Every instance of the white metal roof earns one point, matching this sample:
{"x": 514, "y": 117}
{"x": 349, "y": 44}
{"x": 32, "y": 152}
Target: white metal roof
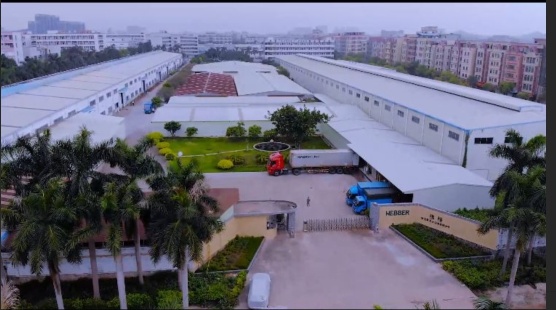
{"x": 103, "y": 127}
{"x": 233, "y": 67}
{"x": 232, "y": 113}
{"x": 27, "y": 105}
{"x": 232, "y": 100}
{"x": 252, "y": 83}
{"x": 459, "y": 106}
{"x": 409, "y": 165}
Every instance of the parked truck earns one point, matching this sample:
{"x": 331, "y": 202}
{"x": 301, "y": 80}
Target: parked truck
{"x": 362, "y": 195}
{"x": 149, "y": 107}
{"x": 313, "y": 161}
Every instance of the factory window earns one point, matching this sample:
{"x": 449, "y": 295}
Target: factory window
{"x": 453, "y": 135}
{"x": 100, "y": 98}
{"x": 358, "y": 95}
{"x": 387, "y": 107}
{"x": 433, "y": 127}
{"x": 337, "y": 86}
{"x": 508, "y": 139}
{"x": 483, "y": 140}
{"x": 415, "y": 119}
{"x": 350, "y": 92}
{"x": 108, "y": 95}
{"x": 344, "y": 89}
{"x": 92, "y": 103}
{"x": 72, "y": 113}
{"x": 59, "y": 119}
{"x": 115, "y": 91}
{"x": 401, "y": 113}
{"x": 377, "y": 103}
{"x": 326, "y": 82}
{"x": 130, "y": 82}
{"x": 367, "y": 99}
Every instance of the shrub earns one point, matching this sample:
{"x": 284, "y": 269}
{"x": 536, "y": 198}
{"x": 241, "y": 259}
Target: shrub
{"x": 167, "y": 85}
{"x": 139, "y": 301}
{"x": 155, "y": 136}
{"x": 157, "y": 101}
{"x": 240, "y": 280}
{"x": 254, "y": 131}
{"x": 236, "y": 131}
{"x": 164, "y": 151}
{"x": 236, "y": 255}
{"x": 236, "y": 159}
{"x": 225, "y": 164}
{"x": 162, "y": 145}
{"x": 172, "y": 127}
{"x": 24, "y": 304}
{"x": 261, "y": 158}
{"x": 270, "y": 134}
{"x": 477, "y": 214}
{"x": 170, "y": 156}
{"x": 168, "y": 299}
{"x": 49, "y": 303}
{"x": 191, "y": 131}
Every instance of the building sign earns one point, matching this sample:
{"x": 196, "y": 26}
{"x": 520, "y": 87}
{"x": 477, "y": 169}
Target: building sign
{"x": 435, "y": 220}
{"x": 397, "y": 212}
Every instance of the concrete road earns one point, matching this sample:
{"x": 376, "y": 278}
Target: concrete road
{"x": 326, "y": 191}
{"x": 354, "y": 270}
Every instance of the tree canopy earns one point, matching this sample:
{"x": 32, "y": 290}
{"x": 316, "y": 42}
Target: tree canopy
{"x": 221, "y": 54}
{"x": 297, "y": 124}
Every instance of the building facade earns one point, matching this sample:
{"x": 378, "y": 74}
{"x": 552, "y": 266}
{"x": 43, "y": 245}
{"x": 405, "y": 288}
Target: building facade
{"x": 124, "y": 40}
{"x": 216, "y": 38}
{"x": 278, "y": 47}
{"x": 12, "y": 46}
{"x": 44, "y": 23}
{"x": 351, "y": 43}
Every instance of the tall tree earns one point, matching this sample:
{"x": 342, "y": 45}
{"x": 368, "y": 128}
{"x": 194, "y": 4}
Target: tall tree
{"x": 182, "y": 219}
{"x": 296, "y": 125}
{"x": 44, "y": 223}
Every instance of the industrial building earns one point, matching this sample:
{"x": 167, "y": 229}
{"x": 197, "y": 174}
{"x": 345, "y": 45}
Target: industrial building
{"x": 459, "y": 123}
{"x": 213, "y": 115}
{"x": 30, "y": 107}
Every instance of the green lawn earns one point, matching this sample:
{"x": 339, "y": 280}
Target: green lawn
{"x": 217, "y": 147}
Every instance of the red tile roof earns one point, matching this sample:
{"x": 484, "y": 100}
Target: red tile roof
{"x": 208, "y": 83}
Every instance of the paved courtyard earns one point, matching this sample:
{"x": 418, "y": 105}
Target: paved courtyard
{"x": 354, "y": 270}
{"x": 327, "y": 191}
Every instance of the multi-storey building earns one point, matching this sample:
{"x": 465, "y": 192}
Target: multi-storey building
{"x": 541, "y": 88}
{"x": 351, "y": 43}
{"x": 12, "y": 46}
{"x": 56, "y": 42}
{"x": 216, "y": 38}
{"x": 124, "y": 40}
{"x": 278, "y": 47}
{"x": 188, "y": 43}
{"x": 44, "y": 23}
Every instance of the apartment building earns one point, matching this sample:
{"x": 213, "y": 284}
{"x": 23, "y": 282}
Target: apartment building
{"x": 56, "y": 42}
{"x": 216, "y": 38}
{"x": 124, "y": 40}
{"x": 12, "y": 46}
{"x": 541, "y": 88}
{"x": 189, "y": 43}
{"x": 351, "y": 43}
{"x": 279, "y": 47}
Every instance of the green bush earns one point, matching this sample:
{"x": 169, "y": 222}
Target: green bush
{"x": 164, "y": 151}
{"x": 139, "y": 301}
{"x": 477, "y": 214}
{"x": 162, "y": 145}
{"x": 90, "y": 303}
{"x": 254, "y": 131}
{"x": 170, "y": 156}
{"x": 240, "y": 281}
{"x": 236, "y": 255}
{"x": 49, "y": 303}
{"x": 24, "y": 304}
{"x": 191, "y": 131}
{"x": 169, "y": 299}
{"x": 261, "y": 158}
{"x": 155, "y": 136}
{"x": 270, "y": 134}
{"x": 225, "y": 164}
{"x": 236, "y": 159}
{"x": 437, "y": 243}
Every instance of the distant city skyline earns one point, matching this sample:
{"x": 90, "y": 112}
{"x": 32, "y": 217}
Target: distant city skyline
{"x": 476, "y": 18}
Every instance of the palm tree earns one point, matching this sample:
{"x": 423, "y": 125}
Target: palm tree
{"x": 120, "y": 206}
{"x": 137, "y": 164}
{"x": 483, "y": 303}
{"x": 182, "y": 220}
{"x": 520, "y": 156}
{"x": 9, "y": 295}
{"x": 44, "y": 223}
{"x": 81, "y": 160}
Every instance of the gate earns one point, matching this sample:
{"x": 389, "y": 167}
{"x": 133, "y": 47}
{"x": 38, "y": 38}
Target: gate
{"x": 361, "y": 222}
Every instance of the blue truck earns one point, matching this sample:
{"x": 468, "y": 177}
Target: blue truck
{"x": 149, "y": 107}
{"x": 362, "y": 195}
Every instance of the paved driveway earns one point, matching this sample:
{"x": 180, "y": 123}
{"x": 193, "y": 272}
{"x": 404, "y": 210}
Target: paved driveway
{"x": 354, "y": 270}
{"x": 327, "y": 191}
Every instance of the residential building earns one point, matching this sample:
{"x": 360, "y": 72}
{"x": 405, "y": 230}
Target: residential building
{"x": 56, "y": 42}
{"x": 275, "y": 47}
{"x": 12, "y": 46}
{"x": 189, "y": 43}
{"x": 541, "y": 88}
{"x": 216, "y": 38}
{"x": 124, "y": 40}
{"x": 44, "y": 23}
{"x": 351, "y": 43}
{"x": 391, "y": 33}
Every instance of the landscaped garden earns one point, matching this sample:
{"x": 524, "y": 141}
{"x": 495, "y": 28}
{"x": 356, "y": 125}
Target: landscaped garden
{"x": 239, "y": 151}
{"x": 160, "y": 291}
{"x": 476, "y": 214}
{"x": 483, "y": 274}
{"x": 236, "y": 255}
{"x": 438, "y": 244}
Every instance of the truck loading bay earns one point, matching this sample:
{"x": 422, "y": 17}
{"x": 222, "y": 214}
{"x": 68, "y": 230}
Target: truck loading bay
{"x": 339, "y": 269}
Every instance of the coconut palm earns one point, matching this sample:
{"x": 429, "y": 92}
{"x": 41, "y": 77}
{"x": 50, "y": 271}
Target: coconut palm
{"x": 81, "y": 162}
{"x": 44, "y": 224}
{"x": 119, "y": 206}
{"x": 136, "y": 164}
{"x": 483, "y": 303}
{"x": 182, "y": 219}
{"x": 9, "y": 295}
{"x": 520, "y": 156}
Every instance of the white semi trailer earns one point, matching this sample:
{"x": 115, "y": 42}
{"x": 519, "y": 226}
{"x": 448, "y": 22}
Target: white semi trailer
{"x": 313, "y": 161}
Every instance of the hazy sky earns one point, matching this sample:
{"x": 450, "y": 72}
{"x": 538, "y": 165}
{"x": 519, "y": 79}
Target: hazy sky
{"x": 479, "y": 18}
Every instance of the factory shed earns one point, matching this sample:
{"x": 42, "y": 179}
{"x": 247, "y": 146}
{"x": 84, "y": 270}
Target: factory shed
{"x": 230, "y": 67}
{"x": 207, "y": 84}
{"x": 103, "y": 128}
{"x": 267, "y": 84}
{"x": 231, "y": 101}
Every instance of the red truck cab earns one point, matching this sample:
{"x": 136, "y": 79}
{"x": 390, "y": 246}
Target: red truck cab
{"x": 276, "y": 164}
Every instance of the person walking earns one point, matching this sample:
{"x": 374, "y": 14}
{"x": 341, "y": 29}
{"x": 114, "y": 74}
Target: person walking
{"x": 308, "y": 201}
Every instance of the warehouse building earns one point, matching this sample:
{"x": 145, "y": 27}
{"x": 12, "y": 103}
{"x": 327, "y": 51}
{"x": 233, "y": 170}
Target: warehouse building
{"x": 229, "y": 67}
{"x": 102, "y": 89}
{"x": 459, "y": 123}
{"x": 212, "y": 118}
